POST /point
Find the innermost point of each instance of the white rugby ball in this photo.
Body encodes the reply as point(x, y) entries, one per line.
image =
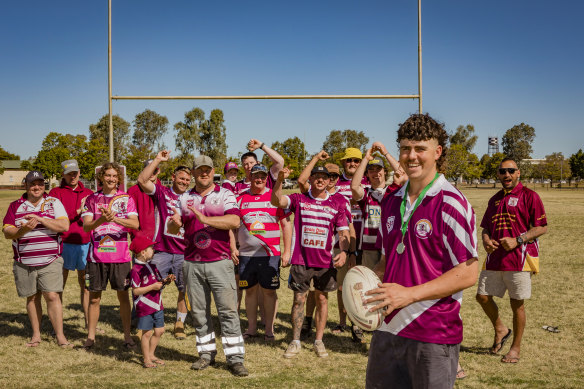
point(359, 280)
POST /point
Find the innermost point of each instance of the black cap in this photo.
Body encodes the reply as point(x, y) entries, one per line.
point(33, 176)
point(319, 169)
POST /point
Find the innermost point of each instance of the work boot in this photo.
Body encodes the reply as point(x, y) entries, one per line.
point(357, 334)
point(238, 370)
point(202, 363)
point(179, 330)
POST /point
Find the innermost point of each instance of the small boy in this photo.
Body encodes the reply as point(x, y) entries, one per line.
point(146, 286)
point(231, 170)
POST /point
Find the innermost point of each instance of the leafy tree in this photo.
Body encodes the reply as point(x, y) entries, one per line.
point(26, 164)
point(1, 168)
point(474, 169)
point(464, 135)
point(456, 162)
point(205, 136)
point(577, 164)
point(100, 130)
point(187, 135)
point(294, 153)
point(555, 167)
point(96, 154)
point(5, 155)
point(490, 164)
point(149, 128)
point(517, 142)
point(55, 149)
point(337, 141)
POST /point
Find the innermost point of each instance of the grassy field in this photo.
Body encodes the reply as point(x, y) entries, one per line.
point(548, 360)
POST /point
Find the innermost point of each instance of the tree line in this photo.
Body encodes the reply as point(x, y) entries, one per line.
point(140, 140)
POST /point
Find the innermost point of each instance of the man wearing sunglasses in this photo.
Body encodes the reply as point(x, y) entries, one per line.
point(513, 221)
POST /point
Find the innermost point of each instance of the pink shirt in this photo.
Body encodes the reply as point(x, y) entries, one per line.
point(203, 242)
point(510, 214)
point(145, 274)
point(41, 245)
point(228, 185)
point(315, 221)
point(441, 234)
point(71, 199)
point(259, 232)
point(110, 240)
point(164, 200)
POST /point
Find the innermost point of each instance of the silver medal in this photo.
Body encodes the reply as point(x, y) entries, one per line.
point(400, 248)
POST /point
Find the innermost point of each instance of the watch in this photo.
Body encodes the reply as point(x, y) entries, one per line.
point(520, 240)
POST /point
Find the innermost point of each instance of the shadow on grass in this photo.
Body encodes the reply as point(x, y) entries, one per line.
point(476, 350)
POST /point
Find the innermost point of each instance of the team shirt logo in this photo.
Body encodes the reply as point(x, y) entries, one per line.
point(202, 240)
point(107, 245)
point(423, 228)
point(315, 237)
point(389, 223)
point(512, 201)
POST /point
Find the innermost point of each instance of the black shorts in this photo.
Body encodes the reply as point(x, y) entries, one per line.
point(325, 280)
point(265, 270)
point(118, 274)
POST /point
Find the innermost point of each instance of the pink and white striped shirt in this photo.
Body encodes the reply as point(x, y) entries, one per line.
point(259, 231)
point(41, 245)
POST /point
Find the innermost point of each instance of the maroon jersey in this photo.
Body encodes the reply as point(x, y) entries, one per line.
point(71, 199)
point(510, 214)
point(344, 188)
point(145, 274)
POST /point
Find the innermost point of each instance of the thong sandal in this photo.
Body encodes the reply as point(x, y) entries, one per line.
point(460, 374)
point(498, 346)
point(33, 343)
point(67, 345)
point(150, 365)
point(159, 362)
point(269, 338)
point(511, 360)
point(247, 336)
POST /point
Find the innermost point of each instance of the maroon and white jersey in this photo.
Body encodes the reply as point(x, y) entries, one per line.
point(259, 232)
point(109, 240)
point(441, 234)
point(164, 200)
point(370, 206)
point(243, 185)
point(40, 246)
point(345, 204)
point(203, 242)
point(71, 199)
point(510, 214)
point(344, 188)
point(315, 221)
point(228, 185)
point(145, 274)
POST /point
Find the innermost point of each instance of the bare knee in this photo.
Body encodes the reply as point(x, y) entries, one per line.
point(483, 299)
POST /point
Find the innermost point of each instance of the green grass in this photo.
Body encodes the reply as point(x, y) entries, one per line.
point(547, 360)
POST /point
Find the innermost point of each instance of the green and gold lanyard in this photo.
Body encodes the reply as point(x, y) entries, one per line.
point(402, 210)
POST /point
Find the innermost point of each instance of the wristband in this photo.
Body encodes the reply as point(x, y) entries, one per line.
point(262, 145)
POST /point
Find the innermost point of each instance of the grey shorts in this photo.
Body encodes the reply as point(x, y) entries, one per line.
point(495, 283)
point(397, 362)
point(32, 279)
point(168, 263)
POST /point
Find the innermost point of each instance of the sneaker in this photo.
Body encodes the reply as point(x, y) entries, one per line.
point(319, 349)
point(179, 330)
point(202, 363)
point(238, 370)
point(357, 334)
point(292, 350)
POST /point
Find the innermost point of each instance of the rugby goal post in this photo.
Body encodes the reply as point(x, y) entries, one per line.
point(250, 97)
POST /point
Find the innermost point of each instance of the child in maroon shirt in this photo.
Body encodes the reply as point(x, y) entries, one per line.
point(146, 287)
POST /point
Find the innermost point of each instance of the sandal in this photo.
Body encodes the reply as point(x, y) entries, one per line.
point(269, 338)
point(496, 347)
point(247, 336)
point(150, 365)
point(67, 345)
point(339, 329)
point(33, 343)
point(87, 346)
point(159, 362)
point(460, 374)
point(130, 345)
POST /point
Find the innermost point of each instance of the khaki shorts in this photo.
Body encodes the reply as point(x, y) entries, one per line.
point(32, 279)
point(371, 258)
point(495, 283)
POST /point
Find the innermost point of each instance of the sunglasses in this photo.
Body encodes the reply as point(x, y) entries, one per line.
point(354, 160)
point(334, 176)
point(510, 170)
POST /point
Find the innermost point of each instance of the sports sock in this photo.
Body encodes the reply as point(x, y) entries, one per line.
point(181, 316)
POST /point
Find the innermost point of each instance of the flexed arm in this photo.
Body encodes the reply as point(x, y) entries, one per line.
point(277, 160)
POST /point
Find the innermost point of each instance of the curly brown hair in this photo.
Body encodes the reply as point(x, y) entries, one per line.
point(421, 127)
point(110, 165)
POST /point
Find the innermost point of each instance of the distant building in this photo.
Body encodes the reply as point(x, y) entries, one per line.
point(13, 175)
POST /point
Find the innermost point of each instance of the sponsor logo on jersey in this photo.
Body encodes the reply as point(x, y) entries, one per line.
point(389, 223)
point(512, 201)
point(202, 240)
point(423, 228)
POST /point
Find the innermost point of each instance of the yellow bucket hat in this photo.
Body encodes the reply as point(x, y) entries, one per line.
point(352, 152)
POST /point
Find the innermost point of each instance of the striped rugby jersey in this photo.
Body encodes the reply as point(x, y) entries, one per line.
point(344, 188)
point(510, 214)
point(370, 206)
point(441, 234)
point(110, 240)
point(243, 185)
point(39, 246)
point(165, 199)
point(145, 274)
point(259, 231)
point(315, 221)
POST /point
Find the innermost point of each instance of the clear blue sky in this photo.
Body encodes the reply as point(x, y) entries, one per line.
point(491, 64)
